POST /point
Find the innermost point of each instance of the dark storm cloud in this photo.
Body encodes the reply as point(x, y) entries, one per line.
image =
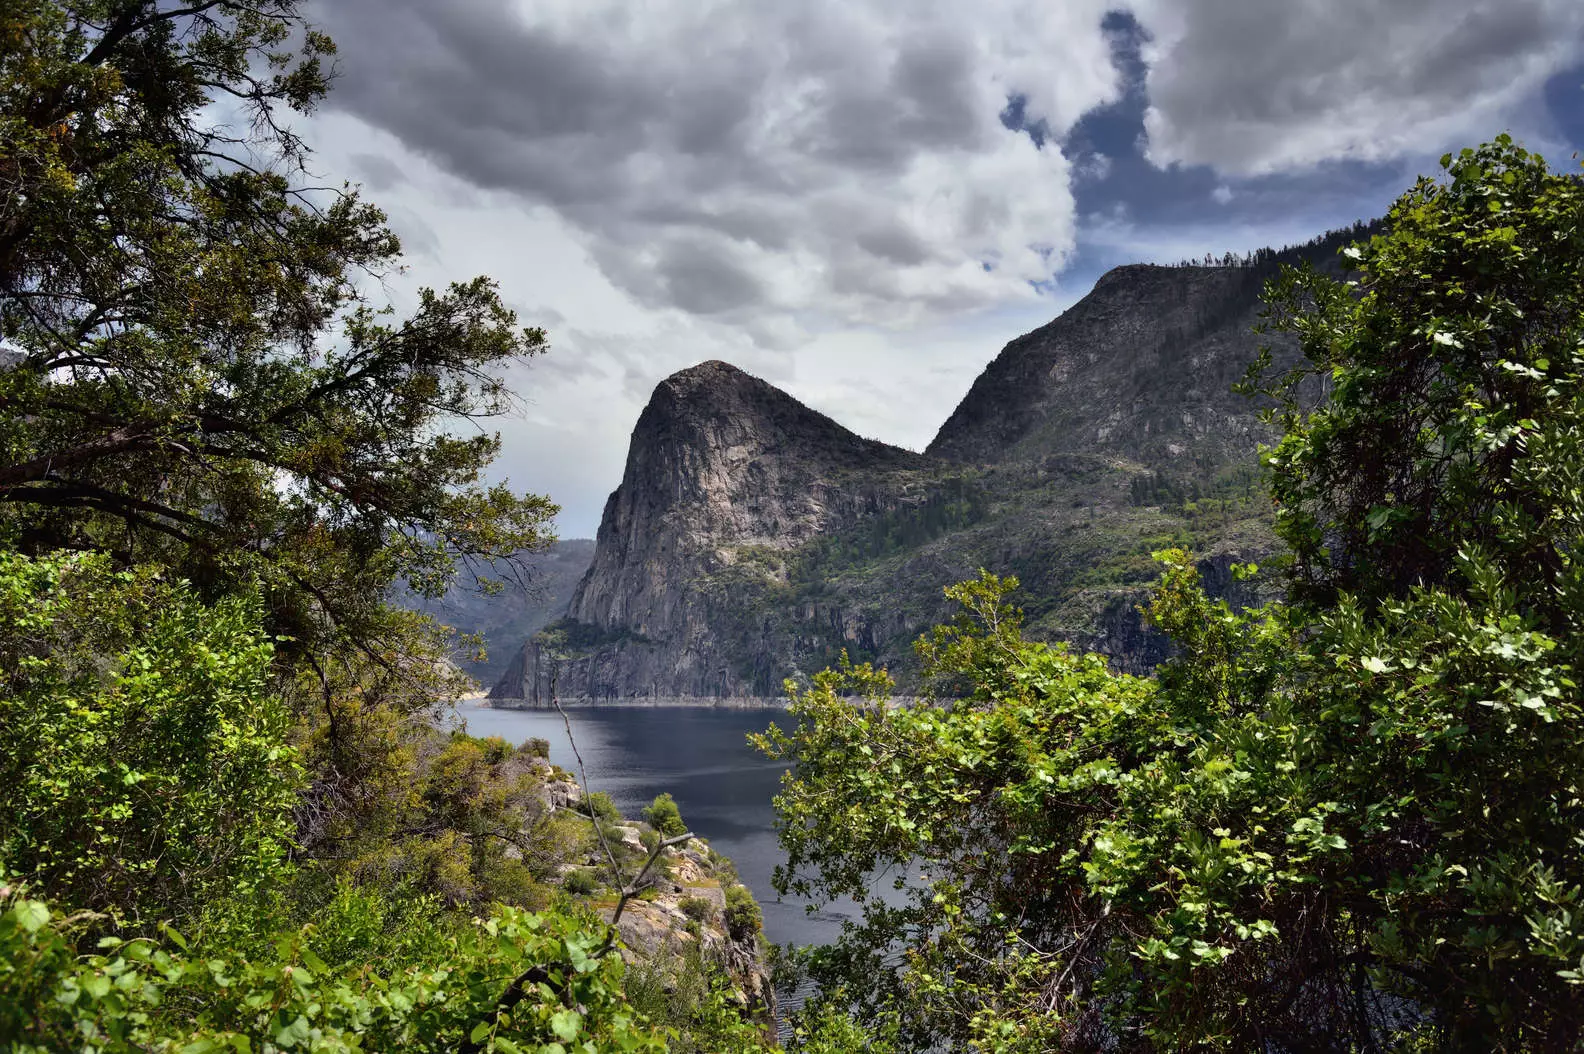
point(877, 163)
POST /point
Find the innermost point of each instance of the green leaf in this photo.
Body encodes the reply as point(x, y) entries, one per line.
point(566, 1024)
point(295, 1033)
point(31, 915)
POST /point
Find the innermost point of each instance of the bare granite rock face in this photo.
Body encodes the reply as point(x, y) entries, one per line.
point(1142, 366)
point(726, 475)
point(721, 460)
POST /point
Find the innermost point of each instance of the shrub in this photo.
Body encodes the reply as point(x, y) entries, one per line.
point(600, 806)
point(699, 909)
point(580, 882)
point(141, 760)
point(743, 920)
point(664, 816)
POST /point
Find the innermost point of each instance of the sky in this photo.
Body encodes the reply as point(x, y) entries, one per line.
point(862, 201)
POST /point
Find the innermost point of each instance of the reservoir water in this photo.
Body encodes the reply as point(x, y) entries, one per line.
point(701, 755)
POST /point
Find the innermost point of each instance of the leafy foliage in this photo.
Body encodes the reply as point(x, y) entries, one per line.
point(142, 764)
point(664, 816)
point(1349, 823)
point(743, 918)
point(1453, 371)
point(147, 994)
point(145, 780)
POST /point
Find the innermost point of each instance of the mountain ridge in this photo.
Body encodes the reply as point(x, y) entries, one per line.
point(753, 539)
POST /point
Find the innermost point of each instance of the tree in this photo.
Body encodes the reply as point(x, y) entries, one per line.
point(217, 456)
point(142, 768)
point(198, 379)
point(664, 816)
point(1451, 363)
point(1346, 823)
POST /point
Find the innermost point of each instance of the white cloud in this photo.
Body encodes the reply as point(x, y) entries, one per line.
point(739, 160)
point(1256, 88)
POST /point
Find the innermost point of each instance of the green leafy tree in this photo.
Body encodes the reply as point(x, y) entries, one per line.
point(664, 816)
point(1350, 823)
point(198, 380)
point(192, 376)
point(142, 763)
point(1450, 364)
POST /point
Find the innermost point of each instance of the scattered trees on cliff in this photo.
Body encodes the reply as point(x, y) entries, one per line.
point(1350, 821)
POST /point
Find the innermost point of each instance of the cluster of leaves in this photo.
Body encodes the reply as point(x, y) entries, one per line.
point(143, 768)
point(146, 994)
point(743, 918)
point(1346, 822)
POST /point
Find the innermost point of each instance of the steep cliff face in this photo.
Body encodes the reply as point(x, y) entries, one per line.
point(721, 460)
point(753, 540)
point(724, 473)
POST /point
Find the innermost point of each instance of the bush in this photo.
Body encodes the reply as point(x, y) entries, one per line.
point(600, 806)
point(580, 882)
point(699, 909)
point(152, 994)
point(142, 769)
point(664, 816)
point(743, 920)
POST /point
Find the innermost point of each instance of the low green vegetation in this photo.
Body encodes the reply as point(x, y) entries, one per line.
point(664, 816)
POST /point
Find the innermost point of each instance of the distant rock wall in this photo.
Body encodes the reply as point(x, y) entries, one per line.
point(536, 590)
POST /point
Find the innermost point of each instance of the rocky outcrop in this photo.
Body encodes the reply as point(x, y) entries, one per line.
point(1143, 366)
point(726, 476)
point(720, 461)
point(682, 903)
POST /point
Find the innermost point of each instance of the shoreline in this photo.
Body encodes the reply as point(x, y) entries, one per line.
point(696, 702)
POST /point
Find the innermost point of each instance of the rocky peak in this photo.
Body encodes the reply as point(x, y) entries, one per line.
point(715, 411)
point(753, 538)
point(1141, 367)
point(1073, 381)
point(720, 460)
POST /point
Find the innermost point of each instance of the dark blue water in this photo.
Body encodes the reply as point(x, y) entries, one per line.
point(701, 756)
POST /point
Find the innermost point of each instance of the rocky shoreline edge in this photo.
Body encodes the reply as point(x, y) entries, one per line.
point(635, 702)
